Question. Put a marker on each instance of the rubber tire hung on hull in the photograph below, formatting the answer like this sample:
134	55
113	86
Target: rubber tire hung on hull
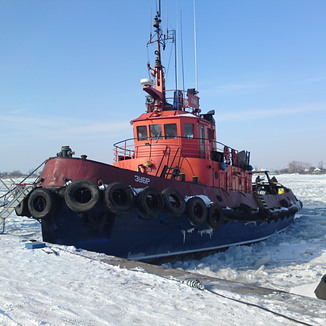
118	198
215	216
22	208
82	195
196	211
150	202
174	202
41	203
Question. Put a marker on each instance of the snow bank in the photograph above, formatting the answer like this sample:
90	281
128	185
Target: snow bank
57	286
294	260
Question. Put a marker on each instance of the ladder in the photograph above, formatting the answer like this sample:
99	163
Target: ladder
12	193
168	169
260	200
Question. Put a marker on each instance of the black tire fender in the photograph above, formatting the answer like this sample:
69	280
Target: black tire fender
196	211
22	208
150	202
215	216
173	201
246	209
264	213
82	195
41	203
118	198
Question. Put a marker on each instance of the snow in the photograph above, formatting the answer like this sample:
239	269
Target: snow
59	285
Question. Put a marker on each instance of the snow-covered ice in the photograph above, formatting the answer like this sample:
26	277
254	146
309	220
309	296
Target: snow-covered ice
288	260
58	285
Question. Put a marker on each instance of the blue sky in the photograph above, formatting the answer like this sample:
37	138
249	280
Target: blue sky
70	71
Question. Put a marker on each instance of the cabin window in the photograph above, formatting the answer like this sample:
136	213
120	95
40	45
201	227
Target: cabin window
170	130
201	142
142	133
201	134
188	130
156	131
210	134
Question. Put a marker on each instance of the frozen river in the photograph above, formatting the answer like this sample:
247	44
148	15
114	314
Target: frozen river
54	286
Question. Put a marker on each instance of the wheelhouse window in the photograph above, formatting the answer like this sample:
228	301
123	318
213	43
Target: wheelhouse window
142	133
201	134
156	131
210	134
170	130
201	142
188	130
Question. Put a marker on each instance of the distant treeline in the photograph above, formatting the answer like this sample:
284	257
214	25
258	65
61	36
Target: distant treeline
303	168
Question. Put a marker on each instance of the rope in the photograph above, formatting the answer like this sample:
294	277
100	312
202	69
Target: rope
198	285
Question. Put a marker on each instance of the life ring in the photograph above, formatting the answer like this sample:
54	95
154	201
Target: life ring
141	168
118	198
22	208
215	216
196	211
41	203
82	195
150	202
173	201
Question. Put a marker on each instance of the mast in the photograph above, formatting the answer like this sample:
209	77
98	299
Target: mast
158	71
157	100
195	43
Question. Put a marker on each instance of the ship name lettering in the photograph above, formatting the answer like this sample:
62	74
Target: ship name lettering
142	179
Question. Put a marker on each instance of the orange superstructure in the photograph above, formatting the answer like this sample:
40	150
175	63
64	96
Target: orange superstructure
173	139
181	145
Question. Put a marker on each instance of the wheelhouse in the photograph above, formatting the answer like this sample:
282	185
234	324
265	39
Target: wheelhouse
182	145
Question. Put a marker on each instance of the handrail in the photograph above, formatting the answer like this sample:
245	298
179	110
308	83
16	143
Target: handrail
191	147
176	137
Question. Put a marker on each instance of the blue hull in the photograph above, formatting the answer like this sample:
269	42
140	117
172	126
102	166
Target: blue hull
133	236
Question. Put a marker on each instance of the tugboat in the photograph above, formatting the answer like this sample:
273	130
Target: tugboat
172	189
